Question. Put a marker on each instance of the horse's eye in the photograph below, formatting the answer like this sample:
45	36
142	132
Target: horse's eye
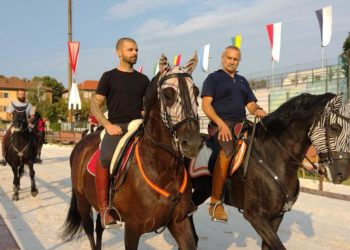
169	96
335	130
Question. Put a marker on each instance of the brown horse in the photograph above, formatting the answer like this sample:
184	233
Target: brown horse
163	197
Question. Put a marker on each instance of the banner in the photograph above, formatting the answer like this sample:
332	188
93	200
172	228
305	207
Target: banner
236	41
73	48
177	60
74	97
204	54
324	17
156	68
274	32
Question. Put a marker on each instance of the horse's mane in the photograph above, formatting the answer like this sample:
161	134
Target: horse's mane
150	96
302	107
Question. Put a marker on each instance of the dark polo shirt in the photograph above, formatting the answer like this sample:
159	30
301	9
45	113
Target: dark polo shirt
230	95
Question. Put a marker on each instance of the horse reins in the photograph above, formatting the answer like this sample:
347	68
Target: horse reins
174	198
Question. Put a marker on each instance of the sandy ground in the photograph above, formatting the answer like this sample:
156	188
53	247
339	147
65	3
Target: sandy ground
314	223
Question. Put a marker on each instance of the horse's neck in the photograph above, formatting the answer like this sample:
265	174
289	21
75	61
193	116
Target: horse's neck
157	142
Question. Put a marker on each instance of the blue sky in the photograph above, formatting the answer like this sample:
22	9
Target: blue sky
34	33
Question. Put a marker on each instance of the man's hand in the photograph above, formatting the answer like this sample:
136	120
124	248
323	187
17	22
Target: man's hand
260	113
113	129
224	132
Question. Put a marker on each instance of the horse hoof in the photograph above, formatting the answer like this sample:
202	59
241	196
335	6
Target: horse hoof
15	197
34	192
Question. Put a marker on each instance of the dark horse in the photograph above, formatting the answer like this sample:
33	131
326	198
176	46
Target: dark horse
159	196
271	185
21	150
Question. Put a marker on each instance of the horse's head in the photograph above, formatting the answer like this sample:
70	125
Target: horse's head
330	135
19	118
177	104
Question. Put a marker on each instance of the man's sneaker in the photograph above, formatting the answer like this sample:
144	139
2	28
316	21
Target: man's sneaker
3	162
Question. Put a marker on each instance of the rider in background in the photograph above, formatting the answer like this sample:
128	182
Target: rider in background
20	102
93	124
123	88
225	95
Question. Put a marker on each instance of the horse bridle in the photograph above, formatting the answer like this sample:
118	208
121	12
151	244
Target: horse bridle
331	155
189	114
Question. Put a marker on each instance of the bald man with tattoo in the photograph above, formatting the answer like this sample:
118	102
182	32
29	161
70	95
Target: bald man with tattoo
123	89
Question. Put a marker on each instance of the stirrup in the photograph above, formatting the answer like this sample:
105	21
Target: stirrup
215	206
116	224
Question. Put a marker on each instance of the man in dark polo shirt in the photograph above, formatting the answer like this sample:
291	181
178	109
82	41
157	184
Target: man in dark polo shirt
225	95
123	88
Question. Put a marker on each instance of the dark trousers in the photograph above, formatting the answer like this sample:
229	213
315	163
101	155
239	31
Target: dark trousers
226	146
108	145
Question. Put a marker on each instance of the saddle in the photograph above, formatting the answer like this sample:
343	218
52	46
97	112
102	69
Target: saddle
122	153
204	163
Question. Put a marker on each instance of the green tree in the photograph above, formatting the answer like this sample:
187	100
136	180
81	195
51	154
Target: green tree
58	110
52	83
346	54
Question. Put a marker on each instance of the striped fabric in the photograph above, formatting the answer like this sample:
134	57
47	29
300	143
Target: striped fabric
177	112
318	133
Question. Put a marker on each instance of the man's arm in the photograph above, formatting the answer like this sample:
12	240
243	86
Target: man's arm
207	107
8	116
96	104
256	110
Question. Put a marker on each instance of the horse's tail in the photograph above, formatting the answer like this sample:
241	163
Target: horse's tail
74	223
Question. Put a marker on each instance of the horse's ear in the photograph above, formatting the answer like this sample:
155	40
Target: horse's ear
163	63
192	63
336	102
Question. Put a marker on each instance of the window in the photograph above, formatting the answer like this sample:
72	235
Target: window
6	95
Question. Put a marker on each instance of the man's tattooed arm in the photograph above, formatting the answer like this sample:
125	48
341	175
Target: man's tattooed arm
96	105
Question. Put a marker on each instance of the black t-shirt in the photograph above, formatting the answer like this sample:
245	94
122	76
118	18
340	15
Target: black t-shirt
124	92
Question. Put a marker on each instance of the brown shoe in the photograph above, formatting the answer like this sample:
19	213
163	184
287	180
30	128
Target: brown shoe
217	212
108	219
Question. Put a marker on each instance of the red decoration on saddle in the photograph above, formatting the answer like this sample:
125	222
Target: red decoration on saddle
238	129
91	166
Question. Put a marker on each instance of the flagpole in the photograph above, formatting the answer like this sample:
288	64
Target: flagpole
273	73
70	118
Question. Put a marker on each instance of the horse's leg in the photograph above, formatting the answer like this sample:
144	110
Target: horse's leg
263	227
131	237
183	234
99	232
194	229
16	183
34	190
275	223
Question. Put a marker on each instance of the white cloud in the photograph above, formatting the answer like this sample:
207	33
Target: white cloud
132	8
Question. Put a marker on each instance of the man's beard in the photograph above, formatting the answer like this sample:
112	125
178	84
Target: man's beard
22	99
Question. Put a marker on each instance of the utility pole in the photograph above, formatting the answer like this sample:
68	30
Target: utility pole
69	62
348	57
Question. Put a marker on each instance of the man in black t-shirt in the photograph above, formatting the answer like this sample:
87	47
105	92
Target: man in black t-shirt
225	95
123	88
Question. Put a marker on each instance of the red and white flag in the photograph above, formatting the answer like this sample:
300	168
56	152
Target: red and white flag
274	32
73	48
140	69
324	17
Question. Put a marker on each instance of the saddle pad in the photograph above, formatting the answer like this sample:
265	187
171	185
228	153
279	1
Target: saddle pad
199	165
91	166
132	127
